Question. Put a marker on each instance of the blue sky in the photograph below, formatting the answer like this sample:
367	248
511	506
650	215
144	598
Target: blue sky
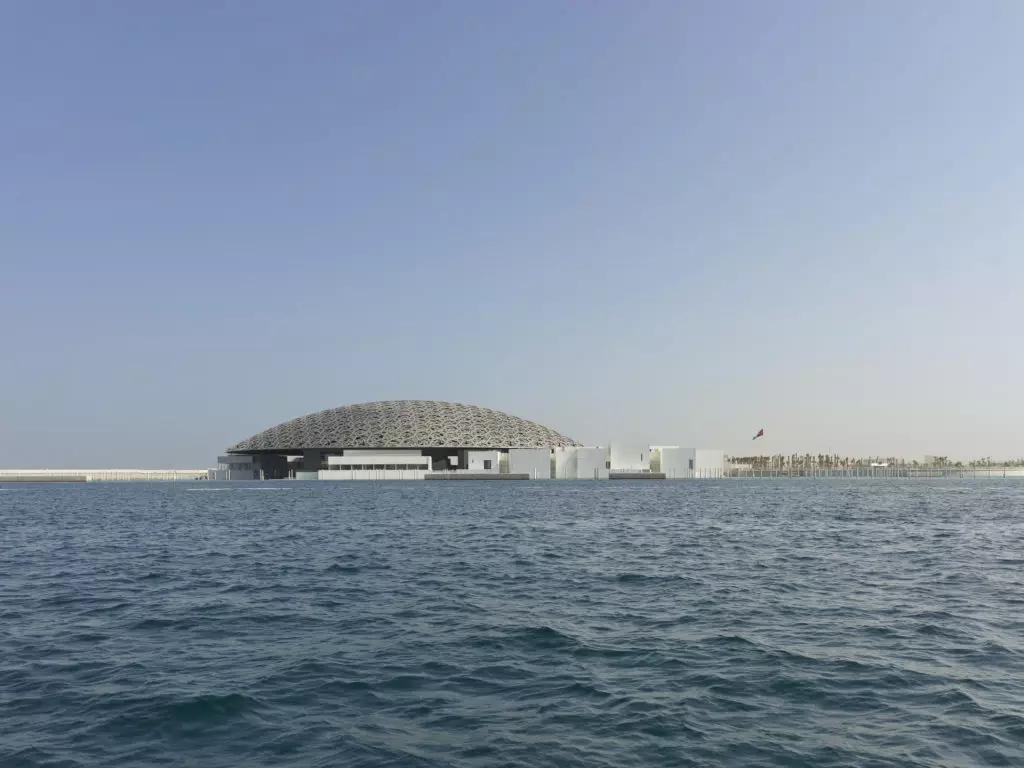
664	221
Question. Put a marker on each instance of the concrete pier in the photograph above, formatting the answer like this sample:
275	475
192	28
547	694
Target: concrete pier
99	475
636	475
475	476
882	472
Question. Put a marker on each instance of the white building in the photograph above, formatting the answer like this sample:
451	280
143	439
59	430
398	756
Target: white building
578	462
483	461
357	464
629	457
705	463
236	467
417	439
533	462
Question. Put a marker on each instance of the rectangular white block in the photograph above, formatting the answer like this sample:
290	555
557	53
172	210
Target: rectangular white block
565	463
675	463
704	463
535	462
708	463
482	461
630	458
371	474
591	464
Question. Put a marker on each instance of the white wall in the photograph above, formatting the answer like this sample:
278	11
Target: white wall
475	461
704	463
381	459
675	462
403	452
708	462
590	463
565	463
629	457
535	462
371	474
239	464
237	467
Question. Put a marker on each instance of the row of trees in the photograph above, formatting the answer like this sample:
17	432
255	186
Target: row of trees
809	461
988	462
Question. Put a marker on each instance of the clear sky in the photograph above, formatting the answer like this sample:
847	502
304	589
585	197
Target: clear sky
663	221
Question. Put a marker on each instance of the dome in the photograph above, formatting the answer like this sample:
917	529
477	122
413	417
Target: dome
403	424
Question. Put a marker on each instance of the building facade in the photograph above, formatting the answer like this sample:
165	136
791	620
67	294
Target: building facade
422	440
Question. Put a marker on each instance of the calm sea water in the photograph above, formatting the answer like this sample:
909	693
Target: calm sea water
736	623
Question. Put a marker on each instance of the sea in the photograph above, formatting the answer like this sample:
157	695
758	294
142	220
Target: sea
616	623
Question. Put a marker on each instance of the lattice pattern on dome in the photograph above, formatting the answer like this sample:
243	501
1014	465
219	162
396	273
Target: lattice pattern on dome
404	424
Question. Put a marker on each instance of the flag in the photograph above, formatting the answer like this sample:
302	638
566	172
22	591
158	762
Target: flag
760	433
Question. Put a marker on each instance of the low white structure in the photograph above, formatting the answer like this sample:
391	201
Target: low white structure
534	462
101	475
565	462
629	457
687	463
581	463
376	465
236	467
591	464
483	461
574	462
706	463
670	460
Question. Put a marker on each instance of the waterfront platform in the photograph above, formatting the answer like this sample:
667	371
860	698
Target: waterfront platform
98	475
475	476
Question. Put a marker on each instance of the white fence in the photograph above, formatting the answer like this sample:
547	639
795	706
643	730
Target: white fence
100	475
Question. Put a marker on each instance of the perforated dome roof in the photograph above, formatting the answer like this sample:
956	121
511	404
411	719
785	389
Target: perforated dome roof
403	424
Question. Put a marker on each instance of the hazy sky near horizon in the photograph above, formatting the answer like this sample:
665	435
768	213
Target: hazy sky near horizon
664	221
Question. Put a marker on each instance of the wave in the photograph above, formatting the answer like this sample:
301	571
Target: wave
355	627
243	488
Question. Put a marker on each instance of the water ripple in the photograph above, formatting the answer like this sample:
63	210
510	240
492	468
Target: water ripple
564	624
